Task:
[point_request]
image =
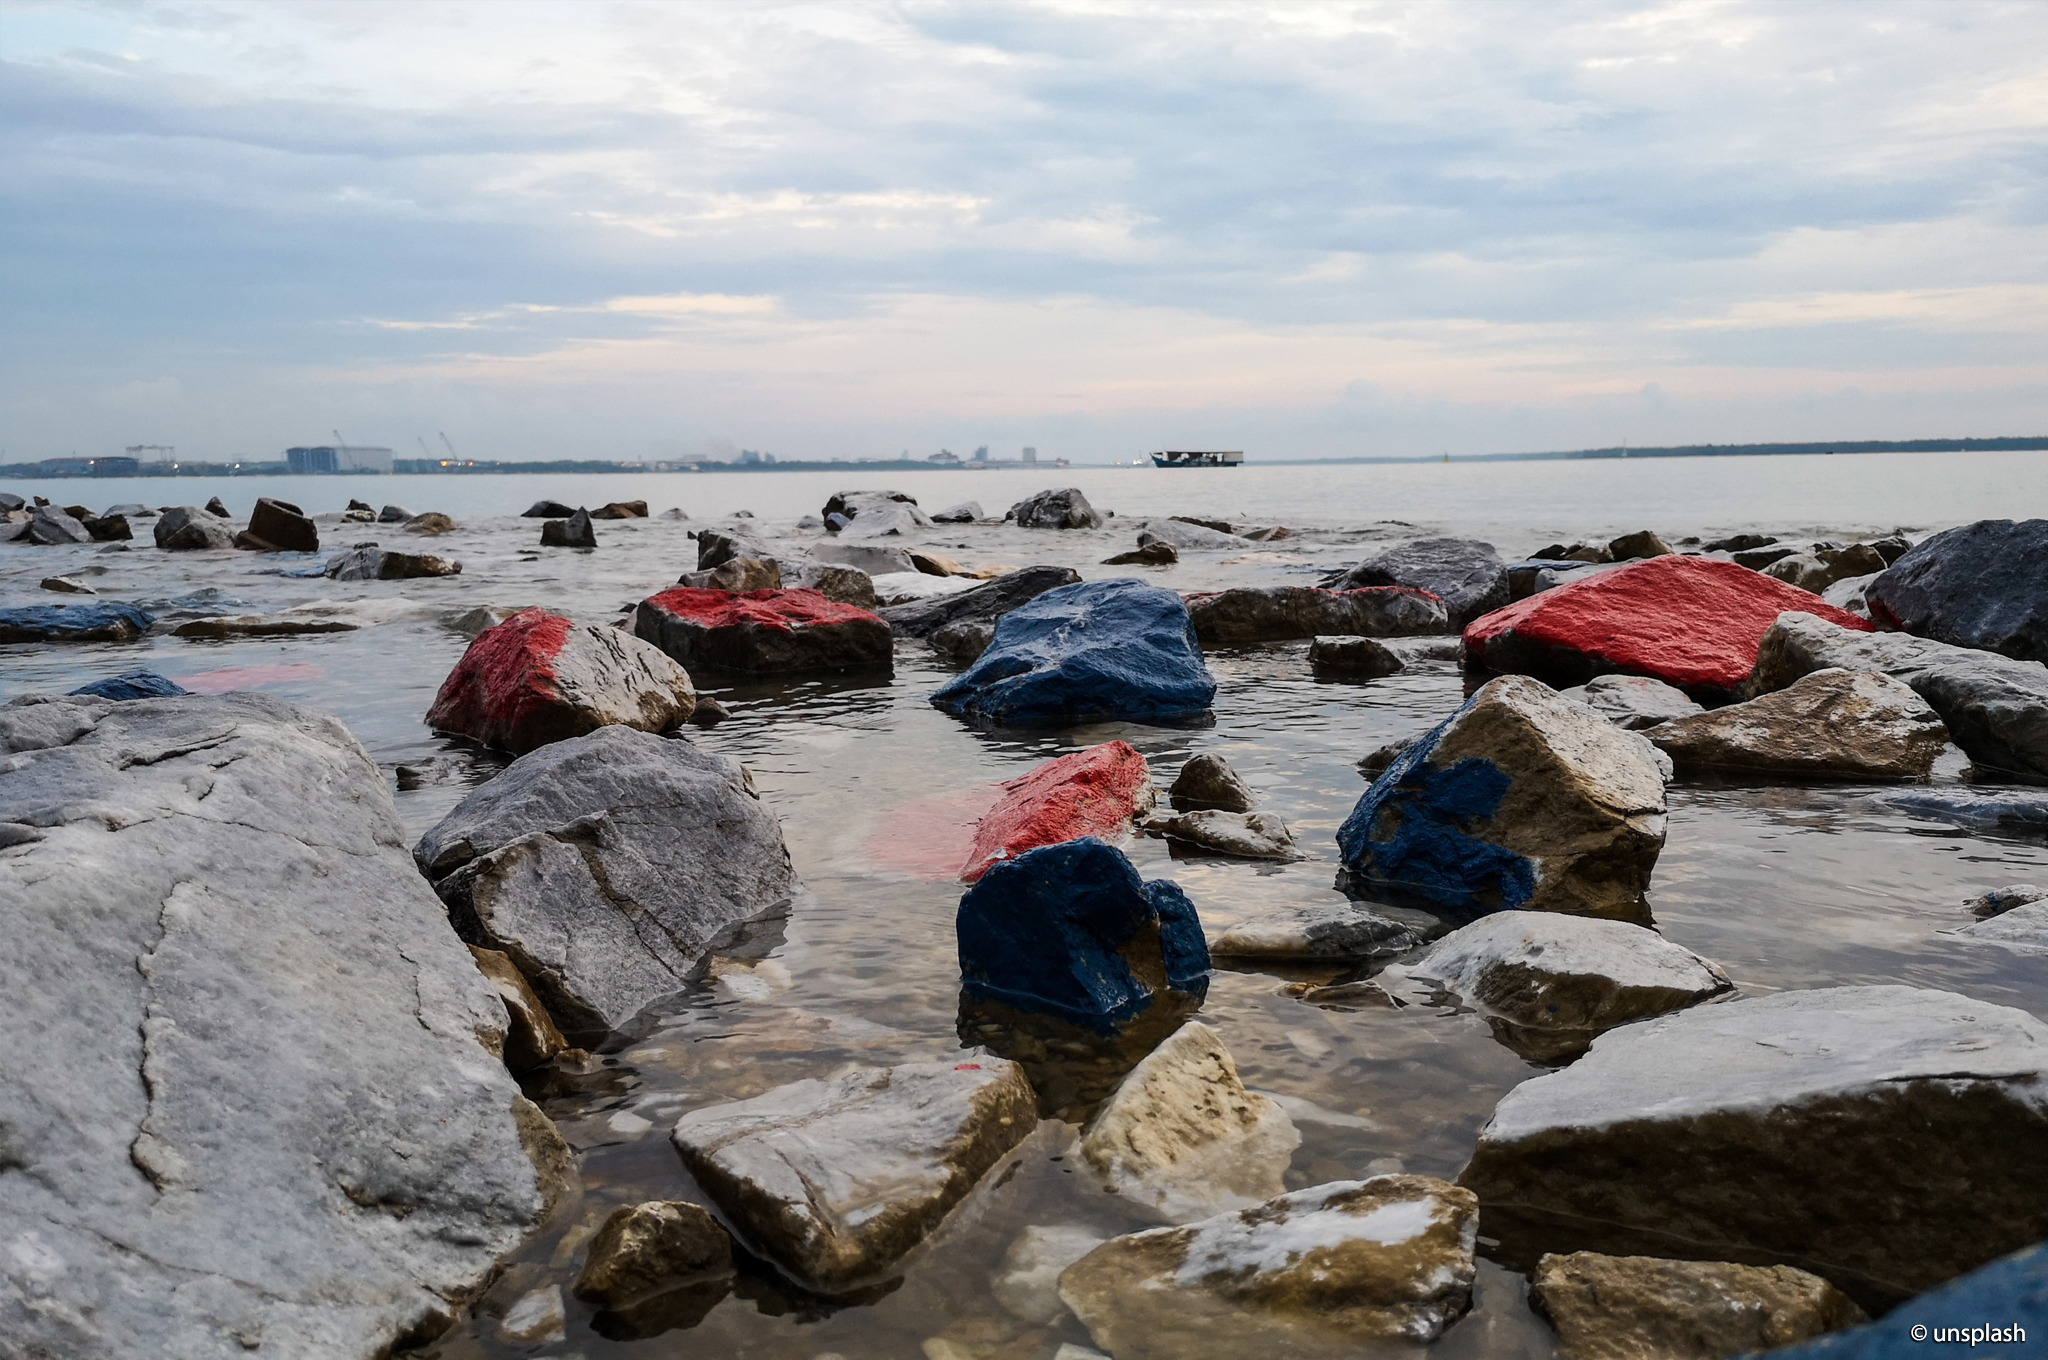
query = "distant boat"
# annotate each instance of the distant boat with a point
(1182, 458)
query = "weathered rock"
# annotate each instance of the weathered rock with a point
(398, 514)
(872, 558)
(1982, 585)
(741, 575)
(51, 527)
(1319, 1274)
(1633, 701)
(1097, 792)
(936, 564)
(1027, 1284)
(282, 527)
(537, 678)
(1356, 658)
(763, 632)
(222, 626)
(1640, 544)
(1828, 724)
(1184, 536)
(1974, 808)
(105, 622)
(1756, 559)
(109, 528)
(1521, 799)
(890, 519)
(1346, 930)
(716, 547)
(1375, 762)
(621, 510)
(9, 502)
(218, 1143)
(1779, 1130)
(836, 1180)
(216, 507)
(133, 685)
(2001, 900)
(1207, 781)
(1549, 984)
(1466, 574)
(433, 522)
(1847, 594)
(1535, 577)
(964, 513)
(1643, 1308)
(378, 564)
(1692, 622)
(962, 642)
(1249, 614)
(1155, 554)
(981, 604)
(1246, 835)
(1182, 1140)
(1995, 708)
(1070, 930)
(547, 510)
(67, 585)
(1807, 571)
(531, 1038)
(604, 866)
(645, 1249)
(1101, 650)
(185, 528)
(573, 532)
(1066, 508)
(2022, 928)
(839, 584)
(1739, 543)
(851, 503)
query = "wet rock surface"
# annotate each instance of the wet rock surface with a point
(379, 564)
(763, 632)
(1465, 573)
(574, 532)
(1355, 658)
(1633, 701)
(1245, 835)
(1207, 781)
(279, 526)
(108, 622)
(1643, 1308)
(1065, 508)
(1828, 724)
(185, 528)
(981, 604)
(646, 1249)
(1981, 585)
(1336, 931)
(1250, 614)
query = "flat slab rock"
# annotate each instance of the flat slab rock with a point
(1643, 1308)
(1251, 614)
(1319, 1273)
(1242, 835)
(1883, 1137)
(838, 1180)
(1549, 984)
(1981, 585)
(604, 866)
(1828, 724)
(1089, 793)
(1348, 930)
(107, 622)
(1692, 622)
(1522, 799)
(763, 632)
(318, 1170)
(538, 678)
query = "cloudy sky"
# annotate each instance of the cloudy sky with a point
(631, 230)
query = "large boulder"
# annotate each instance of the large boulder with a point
(1182, 536)
(1321, 1274)
(837, 1180)
(604, 866)
(52, 527)
(1066, 508)
(573, 532)
(1071, 931)
(763, 632)
(1466, 574)
(851, 503)
(1995, 708)
(980, 604)
(1692, 622)
(278, 526)
(1181, 1139)
(1520, 799)
(1098, 651)
(185, 528)
(2004, 1304)
(1983, 585)
(1633, 701)
(105, 622)
(885, 519)
(372, 563)
(1097, 792)
(1828, 724)
(537, 678)
(1643, 1308)
(1550, 984)
(1883, 1137)
(258, 1101)
(1247, 614)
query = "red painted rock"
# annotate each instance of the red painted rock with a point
(537, 678)
(763, 631)
(1689, 621)
(1090, 793)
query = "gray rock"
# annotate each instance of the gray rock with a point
(1973, 809)
(10, 502)
(1535, 577)
(1756, 559)
(892, 520)
(839, 584)
(109, 528)
(1982, 585)
(1157, 553)
(983, 604)
(1466, 574)
(573, 532)
(851, 503)
(1848, 593)
(393, 514)
(1027, 1283)
(605, 866)
(964, 513)
(1642, 1308)
(1633, 701)
(185, 528)
(1827, 724)
(2022, 929)
(1349, 930)
(836, 1180)
(376, 564)
(1638, 545)
(645, 1249)
(1735, 543)
(1995, 708)
(1250, 614)
(1245, 835)
(262, 1104)
(1549, 984)
(1066, 508)
(871, 558)
(218, 508)
(964, 641)
(1207, 781)
(52, 526)
(67, 585)
(1783, 1128)
(1185, 537)
(739, 575)
(716, 547)
(279, 526)
(1356, 658)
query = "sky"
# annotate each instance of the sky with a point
(628, 230)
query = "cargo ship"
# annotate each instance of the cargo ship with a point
(1183, 458)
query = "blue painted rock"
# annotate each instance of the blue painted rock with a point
(1100, 650)
(1521, 799)
(1982, 585)
(2007, 1301)
(133, 685)
(1071, 931)
(108, 622)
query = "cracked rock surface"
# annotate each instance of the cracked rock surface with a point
(255, 1104)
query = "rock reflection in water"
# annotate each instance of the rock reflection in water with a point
(1072, 1068)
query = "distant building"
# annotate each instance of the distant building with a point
(981, 454)
(752, 458)
(1030, 454)
(338, 458)
(115, 467)
(942, 456)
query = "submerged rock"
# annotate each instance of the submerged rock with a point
(1691, 622)
(1643, 1308)
(1356, 658)
(133, 685)
(1183, 536)
(763, 632)
(1782, 1128)
(1246, 835)
(1155, 554)
(1207, 781)
(1347, 931)
(1549, 984)
(187, 528)
(223, 626)
(397, 514)
(105, 622)
(1097, 651)
(573, 532)
(377, 564)
(621, 510)
(604, 866)
(1982, 585)
(1633, 701)
(1521, 799)
(1324, 1272)
(966, 512)
(1466, 574)
(537, 678)
(646, 1249)
(1828, 724)
(283, 1123)
(1027, 1283)
(1070, 930)
(980, 604)
(1181, 1139)
(1248, 614)
(1066, 508)
(1096, 792)
(837, 1180)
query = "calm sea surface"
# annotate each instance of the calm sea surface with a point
(1798, 886)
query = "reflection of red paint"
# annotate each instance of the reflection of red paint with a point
(248, 677)
(929, 838)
